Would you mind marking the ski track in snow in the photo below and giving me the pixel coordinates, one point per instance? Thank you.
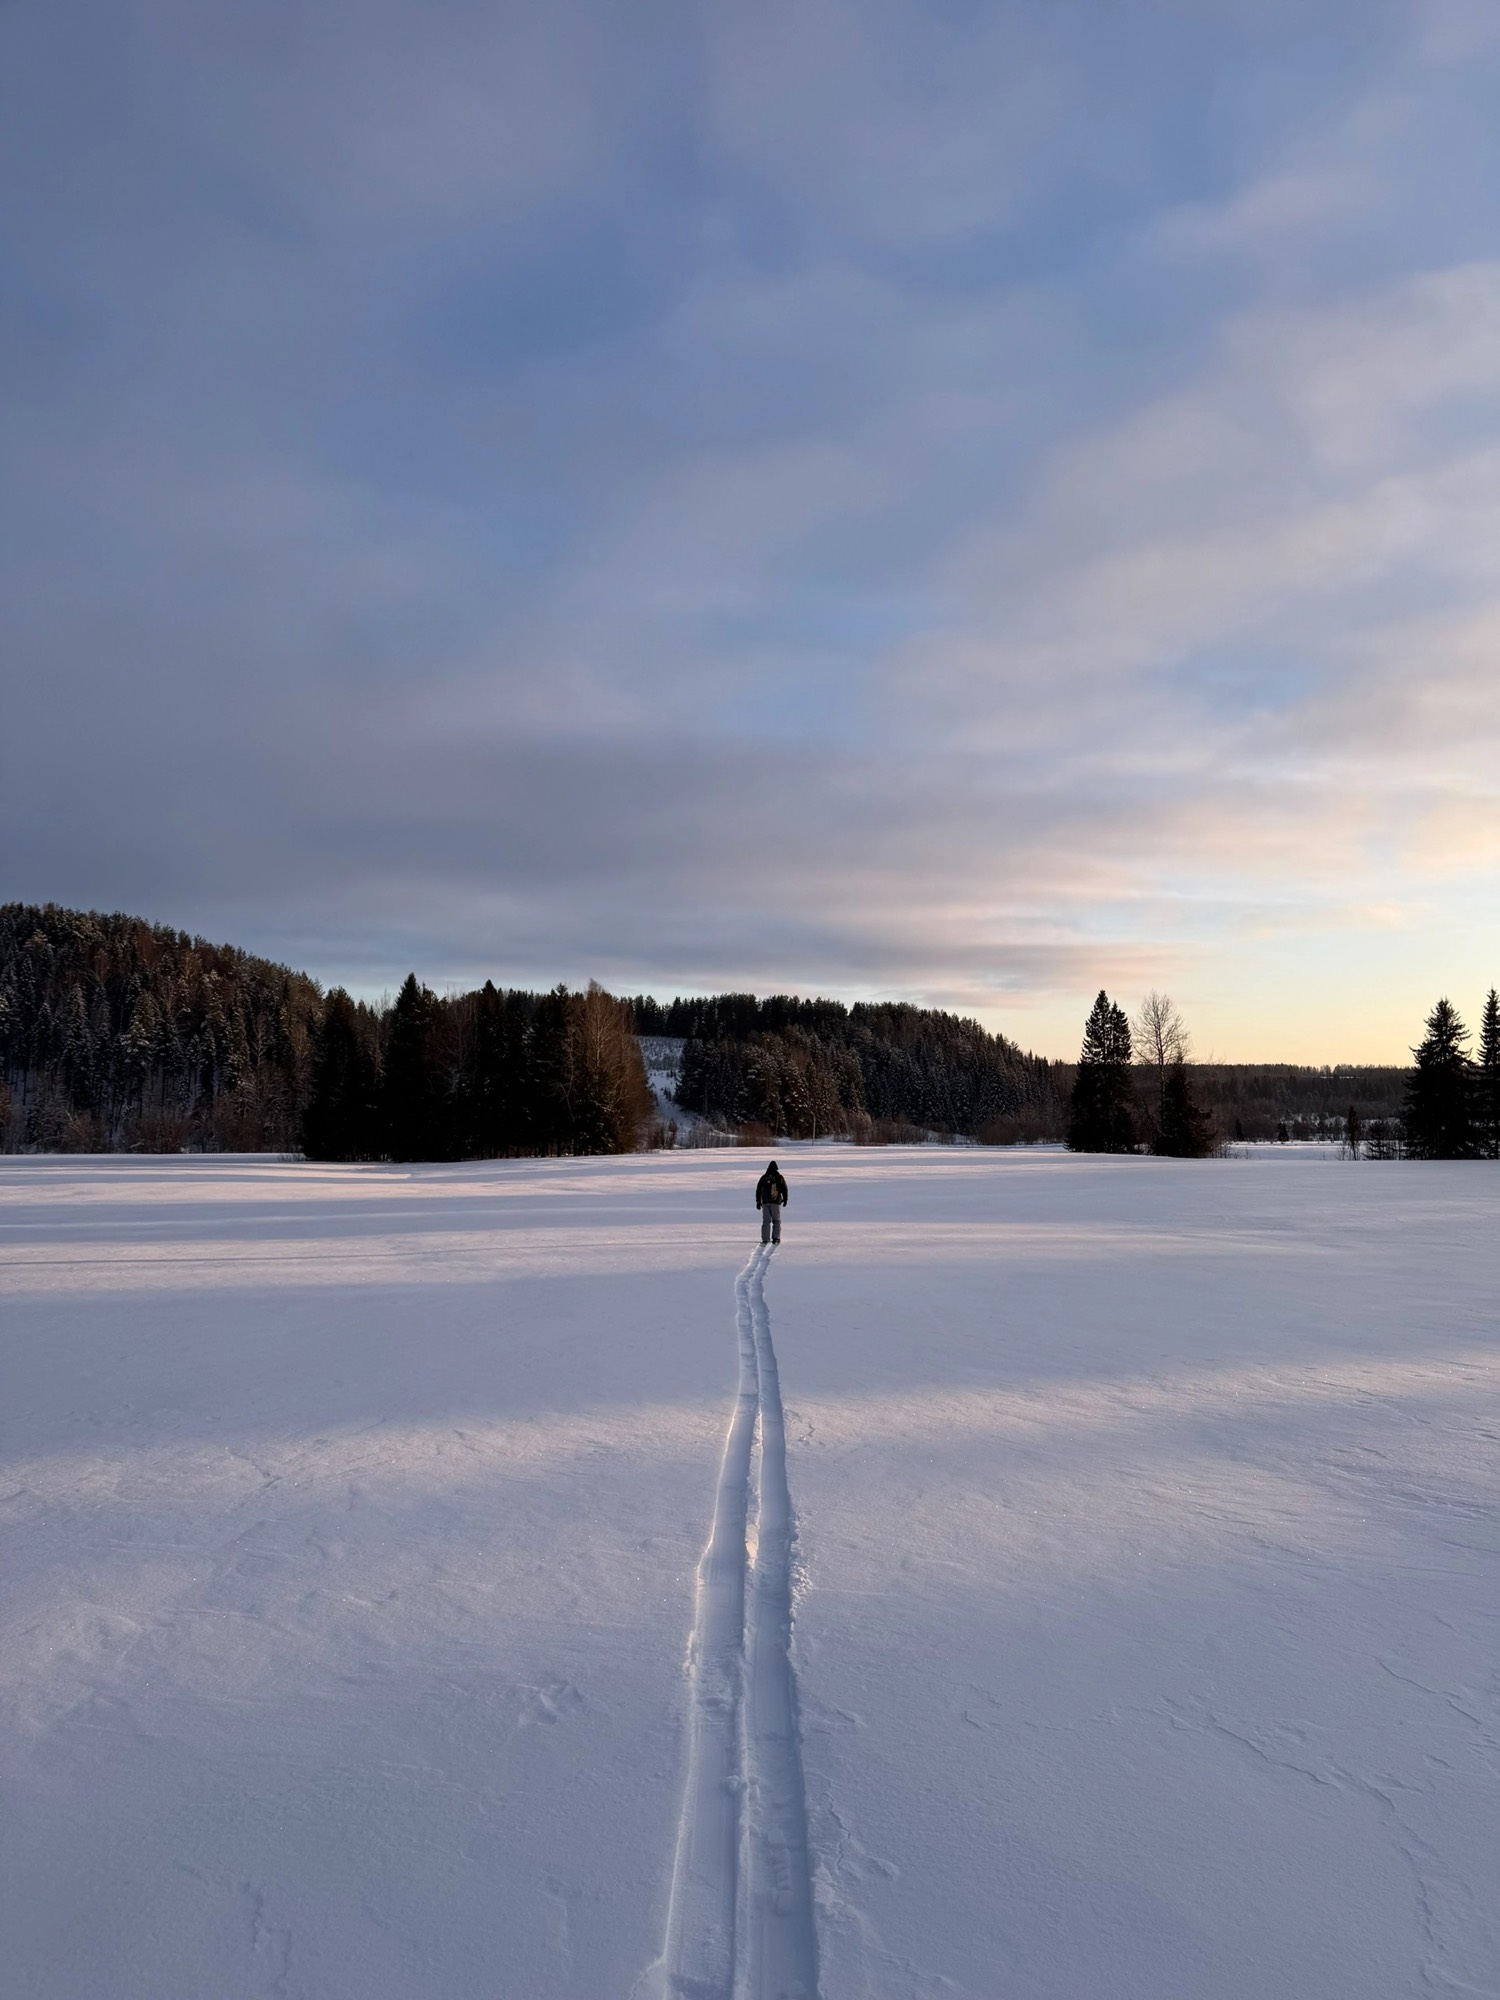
(739, 1918)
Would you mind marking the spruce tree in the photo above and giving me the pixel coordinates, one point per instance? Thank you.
(1439, 1122)
(416, 1102)
(492, 1077)
(1122, 1128)
(1487, 1080)
(1101, 1112)
(1186, 1131)
(1084, 1118)
(550, 1079)
(339, 1122)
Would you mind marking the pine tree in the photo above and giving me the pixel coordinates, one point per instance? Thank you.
(1439, 1112)
(1487, 1080)
(1101, 1112)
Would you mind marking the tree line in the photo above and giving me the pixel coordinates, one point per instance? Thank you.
(479, 1076)
(119, 1035)
(813, 1068)
(1300, 1100)
(1134, 1090)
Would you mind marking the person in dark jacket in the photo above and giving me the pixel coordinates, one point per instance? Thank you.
(770, 1199)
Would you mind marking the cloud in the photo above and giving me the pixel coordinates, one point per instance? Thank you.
(831, 498)
(884, 123)
(1310, 491)
(1261, 219)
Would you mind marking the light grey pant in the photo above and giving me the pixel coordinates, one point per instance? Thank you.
(770, 1222)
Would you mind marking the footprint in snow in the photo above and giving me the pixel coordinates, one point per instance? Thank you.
(559, 1701)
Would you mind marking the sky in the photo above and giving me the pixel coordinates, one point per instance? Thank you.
(962, 503)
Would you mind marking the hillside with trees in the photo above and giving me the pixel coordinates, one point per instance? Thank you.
(805, 1068)
(119, 1035)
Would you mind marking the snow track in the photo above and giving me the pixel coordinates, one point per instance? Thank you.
(739, 1920)
(781, 1958)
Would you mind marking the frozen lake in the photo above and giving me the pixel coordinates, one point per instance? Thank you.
(1145, 1581)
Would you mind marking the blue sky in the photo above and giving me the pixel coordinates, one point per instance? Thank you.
(969, 503)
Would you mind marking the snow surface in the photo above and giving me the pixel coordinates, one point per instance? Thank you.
(382, 1548)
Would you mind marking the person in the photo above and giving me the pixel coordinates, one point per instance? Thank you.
(770, 1199)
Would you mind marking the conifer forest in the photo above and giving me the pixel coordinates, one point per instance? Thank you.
(117, 1034)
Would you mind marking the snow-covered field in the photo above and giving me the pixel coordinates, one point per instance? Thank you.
(1145, 1591)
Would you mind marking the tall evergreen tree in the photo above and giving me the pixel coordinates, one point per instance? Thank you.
(416, 1102)
(1439, 1119)
(1487, 1080)
(340, 1120)
(494, 1073)
(1186, 1131)
(1101, 1113)
(550, 1092)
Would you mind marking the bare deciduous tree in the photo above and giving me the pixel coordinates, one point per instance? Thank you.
(1159, 1034)
(1160, 1039)
(1353, 1134)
